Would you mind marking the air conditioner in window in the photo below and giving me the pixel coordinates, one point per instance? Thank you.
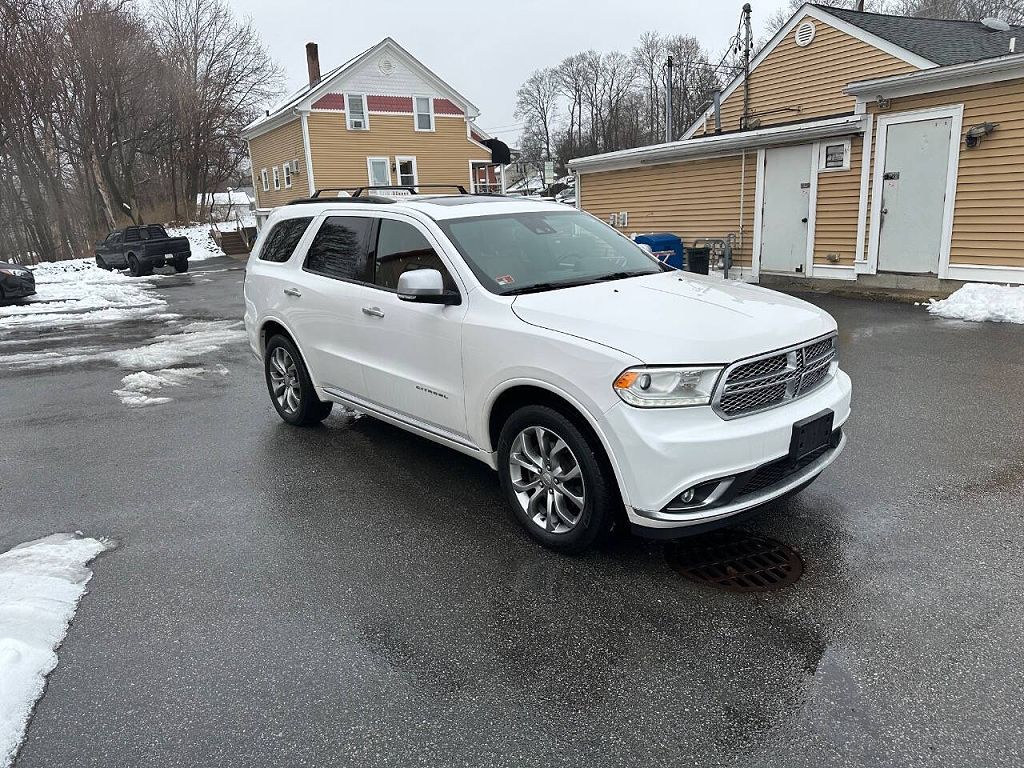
(358, 124)
(293, 165)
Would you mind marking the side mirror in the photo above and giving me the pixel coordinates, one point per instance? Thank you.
(425, 286)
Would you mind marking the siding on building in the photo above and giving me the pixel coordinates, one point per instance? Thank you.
(835, 231)
(339, 155)
(274, 148)
(793, 83)
(695, 198)
(988, 218)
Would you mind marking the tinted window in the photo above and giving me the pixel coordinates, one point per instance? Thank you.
(339, 248)
(153, 232)
(402, 248)
(131, 234)
(282, 239)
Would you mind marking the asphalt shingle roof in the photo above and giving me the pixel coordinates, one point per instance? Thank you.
(943, 41)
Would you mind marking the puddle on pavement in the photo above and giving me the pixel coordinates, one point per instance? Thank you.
(734, 560)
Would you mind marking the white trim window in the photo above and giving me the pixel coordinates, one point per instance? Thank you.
(378, 171)
(277, 178)
(423, 107)
(265, 178)
(834, 155)
(405, 169)
(286, 171)
(356, 117)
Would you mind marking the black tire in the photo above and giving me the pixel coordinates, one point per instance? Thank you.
(181, 265)
(103, 264)
(135, 268)
(602, 501)
(310, 410)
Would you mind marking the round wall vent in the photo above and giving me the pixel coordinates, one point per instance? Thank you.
(804, 34)
(386, 66)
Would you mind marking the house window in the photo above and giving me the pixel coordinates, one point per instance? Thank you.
(355, 112)
(277, 178)
(424, 113)
(286, 171)
(378, 170)
(265, 179)
(835, 156)
(406, 168)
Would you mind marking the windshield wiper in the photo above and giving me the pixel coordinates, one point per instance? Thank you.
(538, 287)
(622, 275)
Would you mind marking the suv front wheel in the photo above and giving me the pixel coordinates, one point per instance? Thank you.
(555, 481)
(291, 389)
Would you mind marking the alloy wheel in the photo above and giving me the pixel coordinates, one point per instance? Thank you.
(284, 381)
(547, 480)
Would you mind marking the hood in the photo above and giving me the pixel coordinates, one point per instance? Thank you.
(677, 317)
(8, 265)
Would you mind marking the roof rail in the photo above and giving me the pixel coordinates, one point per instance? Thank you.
(412, 189)
(372, 199)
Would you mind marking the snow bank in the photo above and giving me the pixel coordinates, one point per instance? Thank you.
(77, 292)
(137, 388)
(980, 302)
(200, 240)
(41, 583)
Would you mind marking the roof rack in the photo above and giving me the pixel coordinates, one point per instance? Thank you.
(412, 189)
(371, 199)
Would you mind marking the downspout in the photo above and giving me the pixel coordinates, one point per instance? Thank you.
(304, 116)
(743, 194)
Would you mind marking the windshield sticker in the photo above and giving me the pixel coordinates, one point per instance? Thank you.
(504, 280)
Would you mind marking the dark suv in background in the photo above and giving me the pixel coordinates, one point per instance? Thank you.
(142, 249)
(15, 282)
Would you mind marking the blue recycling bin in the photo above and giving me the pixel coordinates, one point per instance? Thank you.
(666, 247)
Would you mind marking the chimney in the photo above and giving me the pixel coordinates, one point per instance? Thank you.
(313, 63)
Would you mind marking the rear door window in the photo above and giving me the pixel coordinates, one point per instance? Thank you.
(402, 248)
(282, 239)
(131, 234)
(339, 249)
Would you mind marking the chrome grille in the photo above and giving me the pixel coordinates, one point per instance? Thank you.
(765, 382)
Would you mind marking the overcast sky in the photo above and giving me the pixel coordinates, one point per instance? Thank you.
(484, 49)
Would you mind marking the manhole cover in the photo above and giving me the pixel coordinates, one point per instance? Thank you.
(736, 561)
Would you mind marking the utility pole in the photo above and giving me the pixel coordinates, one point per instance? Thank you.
(668, 99)
(748, 41)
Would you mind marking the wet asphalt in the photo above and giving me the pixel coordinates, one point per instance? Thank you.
(354, 595)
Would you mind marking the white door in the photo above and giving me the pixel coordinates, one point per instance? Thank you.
(378, 169)
(412, 352)
(913, 195)
(786, 207)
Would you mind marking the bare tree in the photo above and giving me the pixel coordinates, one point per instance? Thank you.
(536, 105)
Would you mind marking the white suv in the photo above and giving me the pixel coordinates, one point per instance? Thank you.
(542, 342)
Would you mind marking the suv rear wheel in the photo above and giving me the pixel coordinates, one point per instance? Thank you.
(291, 389)
(554, 480)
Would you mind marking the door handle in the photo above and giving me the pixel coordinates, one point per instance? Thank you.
(373, 311)
(292, 292)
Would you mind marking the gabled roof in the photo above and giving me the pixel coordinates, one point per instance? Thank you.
(943, 41)
(302, 98)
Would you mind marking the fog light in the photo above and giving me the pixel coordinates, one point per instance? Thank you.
(686, 496)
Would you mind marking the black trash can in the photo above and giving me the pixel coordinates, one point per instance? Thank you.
(698, 259)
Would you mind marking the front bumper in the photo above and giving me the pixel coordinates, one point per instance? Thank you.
(661, 452)
(17, 287)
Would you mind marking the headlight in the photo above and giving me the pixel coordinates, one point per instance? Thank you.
(14, 272)
(667, 387)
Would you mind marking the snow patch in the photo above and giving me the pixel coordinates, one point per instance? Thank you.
(137, 388)
(41, 583)
(166, 350)
(981, 302)
(201, 242)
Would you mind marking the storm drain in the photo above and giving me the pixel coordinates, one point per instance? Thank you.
(735, 561)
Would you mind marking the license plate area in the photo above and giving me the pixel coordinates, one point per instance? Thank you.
(811, 434)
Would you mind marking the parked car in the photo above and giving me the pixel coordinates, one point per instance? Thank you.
(542, 342)
(15, 282)
(142, 249)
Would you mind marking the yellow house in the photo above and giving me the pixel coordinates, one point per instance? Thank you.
(381, 118)
(884, 149)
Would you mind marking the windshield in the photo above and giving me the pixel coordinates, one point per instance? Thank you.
(525, 252)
